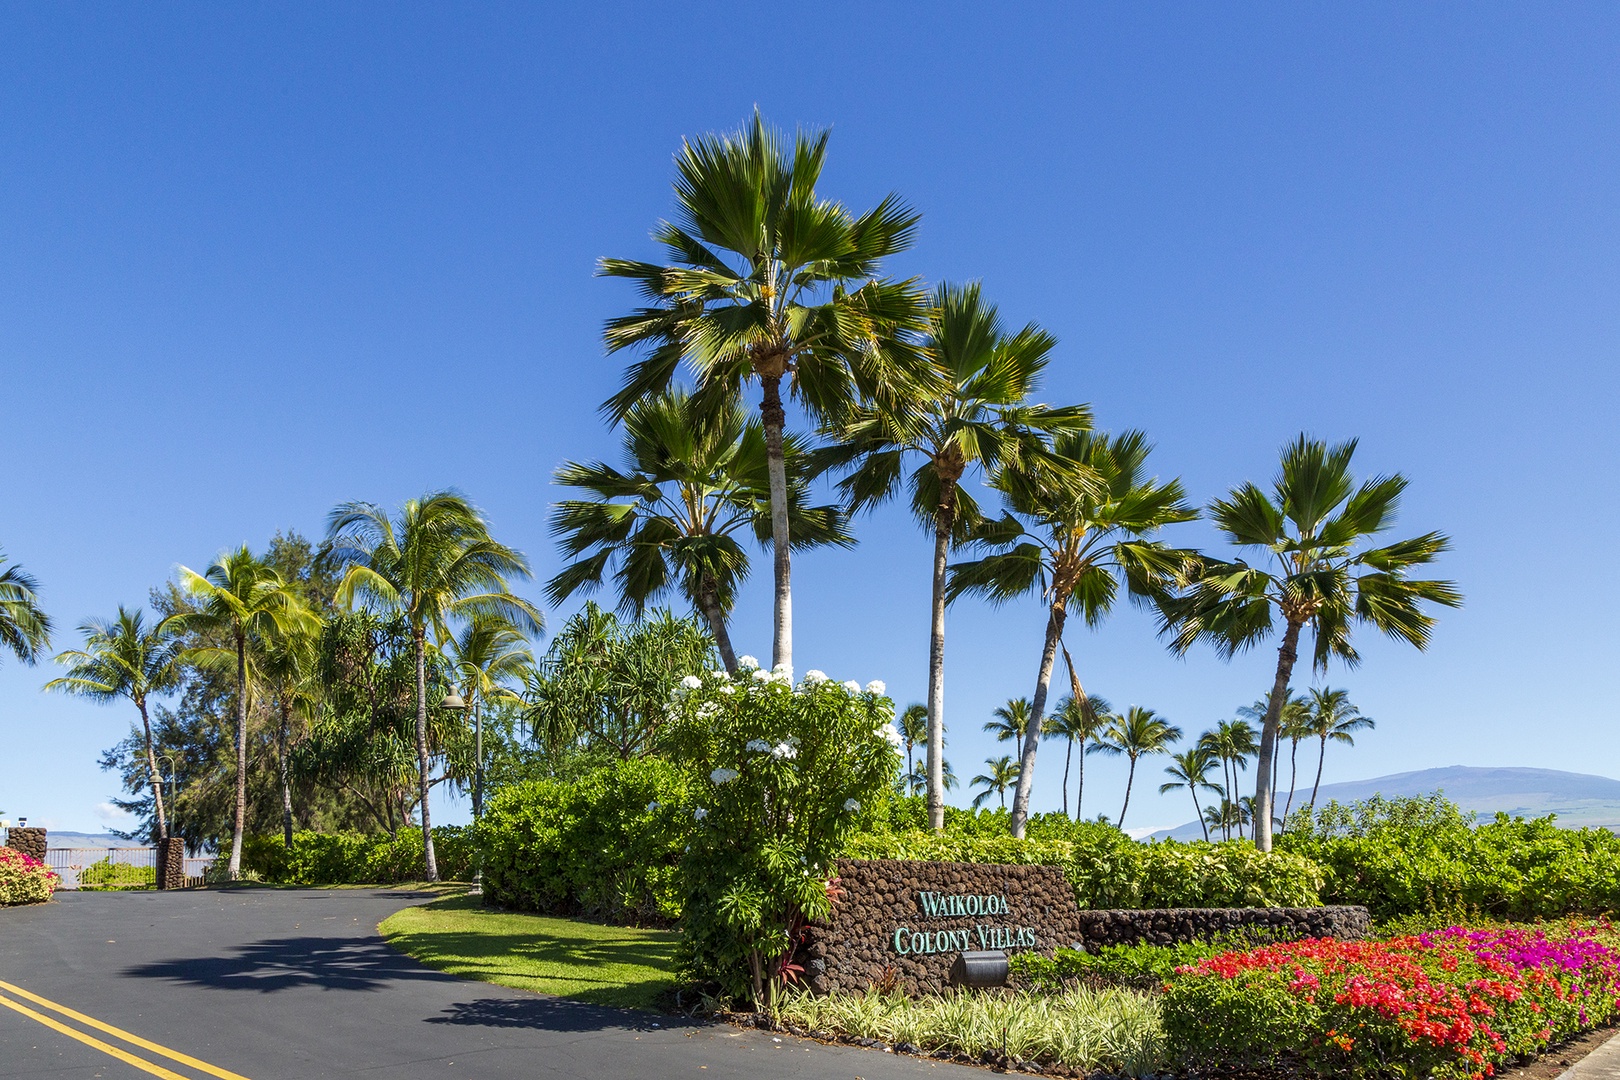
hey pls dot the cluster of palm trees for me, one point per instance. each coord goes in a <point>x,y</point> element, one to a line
<point>923,393</point>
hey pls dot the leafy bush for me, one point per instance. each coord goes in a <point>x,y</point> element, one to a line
<point>24,879</point>
<point>1453,1003</point>
<point>1113,1029</point>
<point>605,843</point>
<point>107,874</point>
<point>786,772</point>
<point>348,858</point>
<point>1410,856</point>
<point>1143,967</point>
<point>1110,870</point>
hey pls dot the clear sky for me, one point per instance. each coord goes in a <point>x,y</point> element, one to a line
<point>257,260</point>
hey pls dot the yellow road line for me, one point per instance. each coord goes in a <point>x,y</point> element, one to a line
<point>118,1033</point>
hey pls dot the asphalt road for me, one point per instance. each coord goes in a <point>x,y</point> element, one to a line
<point>283,985</point>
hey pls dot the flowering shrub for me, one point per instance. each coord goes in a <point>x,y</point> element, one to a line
<point>24,879</point>
<point>781,775</point>
<point>1451,1003</point>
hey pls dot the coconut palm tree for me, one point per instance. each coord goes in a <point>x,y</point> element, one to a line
<point>1318,569</point>
<point>1010,721</point>
<point>915,782</point>
<point>1077,721</point>
<point>1233,743</point>
<point>912,724</point>
<point>975,416</point>
<point>1136,734</point>
<point>1190,769</point>
<point>487,661</point>
<point>242,598</point>
<point>123,657</point>
<point>25,629</point>
<point>766,281</point>
<point>1071,543</point>
<point>1292,715</point>
<point>286,660</point>
<point>1002,774</point>
<point>1331,716</point>
<point>434,562</point>
<point>693,484</point>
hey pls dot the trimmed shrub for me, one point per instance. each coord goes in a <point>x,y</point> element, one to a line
<point>110,875</point>
<point>605,844</point>
<point>24,879</point>
<point>350,858</point>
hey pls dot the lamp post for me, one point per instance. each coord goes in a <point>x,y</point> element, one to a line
<point>172,781</point>
<point>454,702</point>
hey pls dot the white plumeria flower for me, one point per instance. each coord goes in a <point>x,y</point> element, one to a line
<point>700,813</point>
<point>691,682</point>
<point>723,776</point>
<point>852,686</point>
<point>708,710</point>
<point>852,806</point>
<point>814,677</point>
<point>728,689</point>
<point>876,687</point>
<point>762,676</point>
<point>783,752</point>
<point>747,663</point>
<point>888,731</point>
<point>758,746</point>
<point>720,673</point>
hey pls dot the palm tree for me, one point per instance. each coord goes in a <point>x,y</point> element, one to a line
<point>434,562</point>
<point>1077,721</point>
<point>1331,716</point>
<point>25,629</point>
<point>1190,770</point>
<point>1292,715</point>
<point>1233,743</point>
<point>241,597</point>
<point>693,481</point>
<point>915,782</point>
<point>913,727</point>
<point>1002,774</point>
<point>1294,726</point>
<point>975,416</point>
<point>1010,721</point>
<point>766,281</point>
<point>1070,540</point>
<point>1136,734</point>
<point>485,660</point>
<point>1219,817</point>
<point>1319,571</point>
<point>123,657</point>
<point>286,660</point>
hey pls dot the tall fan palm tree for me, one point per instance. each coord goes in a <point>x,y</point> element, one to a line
<point>1010,721</point>
<point>434,562</point>
<point>1318,570</point>
<point>976,416</point>
<point>694,481</point>
<point>123,657</point>
<point>1002,774</point>
<point>913,727</point>
<point>1331,716</point>
<point>25,629</point>
<point>488,661</point>
<point>1071,543</point>
<point>1190,769</point>
<point>766,281</point>
<point>1077,721</point>
<point>241,597</point>
<point>1233,743</point>
<point>1138,733</point>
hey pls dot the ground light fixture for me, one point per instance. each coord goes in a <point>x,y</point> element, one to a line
<point>979,968</point>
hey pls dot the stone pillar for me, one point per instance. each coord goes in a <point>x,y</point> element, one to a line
<point>171,863</point>
<point>27,841</point>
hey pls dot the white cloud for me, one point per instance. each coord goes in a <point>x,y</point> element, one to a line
<point>108,814</point>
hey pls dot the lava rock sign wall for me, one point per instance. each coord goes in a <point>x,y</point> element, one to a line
<point>908,920</point>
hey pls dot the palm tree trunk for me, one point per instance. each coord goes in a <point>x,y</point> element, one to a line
<point>235,864</point>
<point>1287,653</point>
<point>1130,778</point>
<point>1293,778</point>
<point>419,640</point>
<point>774,418</point>
<point>1080,699</point>
<point>155,777</point>
<point>1080,782</point>
<point>1320,757</point>
<point>286,784</point>
<point>1200,810</point>
<point>1068,756</point>
<point>936,667</point>
<point>710,603</point>
<point>1032,737</point>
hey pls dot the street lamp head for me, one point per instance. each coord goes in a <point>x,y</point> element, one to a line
<point>452,700</point>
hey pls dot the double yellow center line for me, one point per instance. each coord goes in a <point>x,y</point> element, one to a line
<point>105,1047</point>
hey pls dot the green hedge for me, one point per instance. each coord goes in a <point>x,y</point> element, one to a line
<point>605,844</point>
<point>1110,870</point>
<point>107,874</point>
<point>1405,857</point>
<point>350,858</point>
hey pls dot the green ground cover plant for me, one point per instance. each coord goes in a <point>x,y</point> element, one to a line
<point>620,966</point>
<point>351,858</point>
<point>1113,1029</point>
<point>1144,967</point>
<point>24,879</point>
<point>107,874</point>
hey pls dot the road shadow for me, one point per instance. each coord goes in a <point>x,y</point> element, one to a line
<point>553,1014</point>
<point>295,962</point>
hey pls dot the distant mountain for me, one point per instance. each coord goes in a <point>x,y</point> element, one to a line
<point>58,839</point>
<point>1579,800</point>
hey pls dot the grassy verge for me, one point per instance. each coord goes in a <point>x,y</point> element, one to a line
<point>604,965</point>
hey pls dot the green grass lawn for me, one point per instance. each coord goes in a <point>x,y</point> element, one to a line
<point>605,965</point>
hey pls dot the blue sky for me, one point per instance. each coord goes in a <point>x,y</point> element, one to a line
<point>255,261</point>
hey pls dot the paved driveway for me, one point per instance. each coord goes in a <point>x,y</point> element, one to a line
<point>277,985</point>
